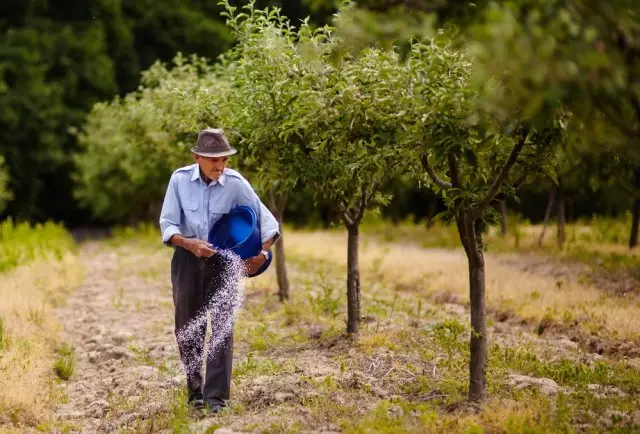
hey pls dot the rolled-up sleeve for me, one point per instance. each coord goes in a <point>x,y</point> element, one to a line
<point>170,216</point>
<point>268,224</point>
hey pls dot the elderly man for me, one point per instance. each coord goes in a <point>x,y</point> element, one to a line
<point>196,197</point>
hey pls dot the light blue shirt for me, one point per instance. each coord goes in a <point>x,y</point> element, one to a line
<point>191,207</point>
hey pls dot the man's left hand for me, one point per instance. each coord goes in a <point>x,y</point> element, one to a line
<point>253,264</point>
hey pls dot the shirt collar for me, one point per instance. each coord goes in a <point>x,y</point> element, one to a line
<point>195,172</point>
<point>195,175</point>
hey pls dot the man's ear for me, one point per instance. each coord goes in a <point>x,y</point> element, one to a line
<point>195,157</point>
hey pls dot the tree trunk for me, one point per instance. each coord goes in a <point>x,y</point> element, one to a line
<point>561,215</point>
<point>472,242</point>
<point>547,214</point>
<point>570,212</point>
<point>281,268</point>
<point>278,206</point>
<point>353,280</point>
<point>432,211</point>
<point>635,220</point>
<point>503,218</point>
<point>635,212</point>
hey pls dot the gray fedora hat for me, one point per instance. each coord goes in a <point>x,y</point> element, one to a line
<point>212,142</point>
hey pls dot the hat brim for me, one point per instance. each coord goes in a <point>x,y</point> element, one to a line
<point>215,154</point>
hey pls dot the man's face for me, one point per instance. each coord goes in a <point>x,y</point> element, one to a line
<point>212,167</point>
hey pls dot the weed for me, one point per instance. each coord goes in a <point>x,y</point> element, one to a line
<point>447,336</point>
<point>179,413</point>
<point>574,374</point>
<point>254,366</point>
<point>143,355</point>
<point>292,313</point>
<point>386,417</point>
<point>325,302</point>
<point>65,362</point>
<point>212,428</point>
<point>324,408</point>
<point>368,344</point>
<point>262,338</point>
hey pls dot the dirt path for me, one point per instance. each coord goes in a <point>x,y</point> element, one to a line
<point>120,322</point>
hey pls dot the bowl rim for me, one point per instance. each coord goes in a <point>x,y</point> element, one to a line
<point>251,213</point>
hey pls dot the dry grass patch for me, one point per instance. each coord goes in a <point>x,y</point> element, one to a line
<point>29,337</point>
<point>434,272</point>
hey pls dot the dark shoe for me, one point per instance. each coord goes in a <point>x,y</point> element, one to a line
<point>215,405</point>
<point>196,400</point>
<point>197,404</point>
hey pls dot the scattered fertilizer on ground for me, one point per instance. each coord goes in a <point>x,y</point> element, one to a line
<point>222,309</point>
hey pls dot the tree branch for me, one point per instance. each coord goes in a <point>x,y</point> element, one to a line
<point>363,205</point>
<point>636,106</point>
<point>374,187</point>
<point>432,174</point>
<point>503,174</point>
<point>273,204</point>
<point>282,202</point>
<point>453,168</point>
<point>347,215</point>
<point>347,219</point>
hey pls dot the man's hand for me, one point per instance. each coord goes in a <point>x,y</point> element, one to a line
<point>200,248</point>
<point>253,264</point>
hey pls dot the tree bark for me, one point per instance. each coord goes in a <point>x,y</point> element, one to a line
<point>547,214</point>
<point>570,212</point>
<point>281,268</point>
<point>278,207</point>
<point>432,211</point>
<point>635,221</point>
<point>635,212</point>
<point>561,214</point>
<point>503,218</point>
<point>353,280</point>
<point>472,242</point>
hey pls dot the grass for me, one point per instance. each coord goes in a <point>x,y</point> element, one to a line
<point>296,370</point>
<point>179,413</point>
<point>599,241</point>
<point>441,275</point>
<point>417,353</point>
<point>143,234</point>
<point>38,276</point>
<point>21,243</point>
<point>64,364</point>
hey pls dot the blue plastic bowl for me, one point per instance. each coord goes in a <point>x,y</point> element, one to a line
<point>239,231</point>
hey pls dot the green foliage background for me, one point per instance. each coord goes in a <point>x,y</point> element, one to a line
<point>59,57</point>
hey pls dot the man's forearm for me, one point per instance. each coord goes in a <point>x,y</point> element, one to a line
<point>178,240</point>
<point>267,244</point>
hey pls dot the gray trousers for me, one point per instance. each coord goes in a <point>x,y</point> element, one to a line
<point>195,282</point>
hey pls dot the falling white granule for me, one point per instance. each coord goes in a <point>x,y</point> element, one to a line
<point>222,308</point>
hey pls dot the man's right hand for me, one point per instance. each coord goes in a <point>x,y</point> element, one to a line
<point>200,248</point>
